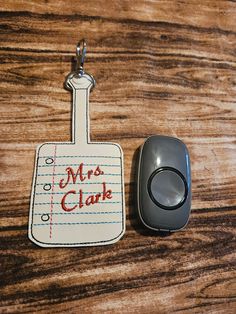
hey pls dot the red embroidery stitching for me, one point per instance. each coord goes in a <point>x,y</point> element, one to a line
<point>90,172</point>
<point>90,200</point>
<point>79,173</point>
<point>63,205</point>
<point>70,173</point>
<point>106,194</point>
<point>98,171</point>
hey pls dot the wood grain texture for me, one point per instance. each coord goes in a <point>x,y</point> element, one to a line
<point>162,67</point>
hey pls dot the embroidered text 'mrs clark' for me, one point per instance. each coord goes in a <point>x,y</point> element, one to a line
<point>79,176</point>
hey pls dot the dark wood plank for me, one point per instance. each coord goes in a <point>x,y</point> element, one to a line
<point>162,67</point>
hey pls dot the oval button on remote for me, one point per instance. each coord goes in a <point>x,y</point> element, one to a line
<point>167,188</point>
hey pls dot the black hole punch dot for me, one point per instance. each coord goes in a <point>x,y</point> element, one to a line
<point>45,217</point>
<point>47,187</point>
<point>49,161</point>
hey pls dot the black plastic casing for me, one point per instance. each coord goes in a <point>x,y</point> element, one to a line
<point>170,156</point>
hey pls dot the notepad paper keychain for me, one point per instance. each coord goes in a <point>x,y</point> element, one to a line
<point>78,187</point>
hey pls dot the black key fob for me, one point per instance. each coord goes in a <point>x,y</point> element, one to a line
<point>164,184</point>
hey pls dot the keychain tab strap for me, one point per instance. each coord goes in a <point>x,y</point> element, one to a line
<point>77,79</point>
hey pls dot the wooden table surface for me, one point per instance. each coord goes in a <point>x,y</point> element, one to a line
<point>162,67</point>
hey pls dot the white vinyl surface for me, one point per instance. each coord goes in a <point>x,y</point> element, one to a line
<point>78,189</point>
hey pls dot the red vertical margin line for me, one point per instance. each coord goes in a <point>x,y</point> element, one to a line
<point>53,184</point>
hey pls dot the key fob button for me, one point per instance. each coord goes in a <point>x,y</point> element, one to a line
<point>167,188</point>
<point>164,184</point>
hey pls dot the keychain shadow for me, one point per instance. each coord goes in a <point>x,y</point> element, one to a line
<point>135,220</point>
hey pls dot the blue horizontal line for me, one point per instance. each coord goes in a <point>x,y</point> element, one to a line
<point>62,174</point>
<point>79,223</point>
<point>73,203</point>
<point>78,156</point>
<point>80,213</point>
<point>48,165</point>
<point>65,192</point>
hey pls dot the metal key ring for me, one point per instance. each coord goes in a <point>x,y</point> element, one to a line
<point>79,70</point>
<point>80,54</point>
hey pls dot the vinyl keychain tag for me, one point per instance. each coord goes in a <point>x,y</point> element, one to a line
<point>78,187</point>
